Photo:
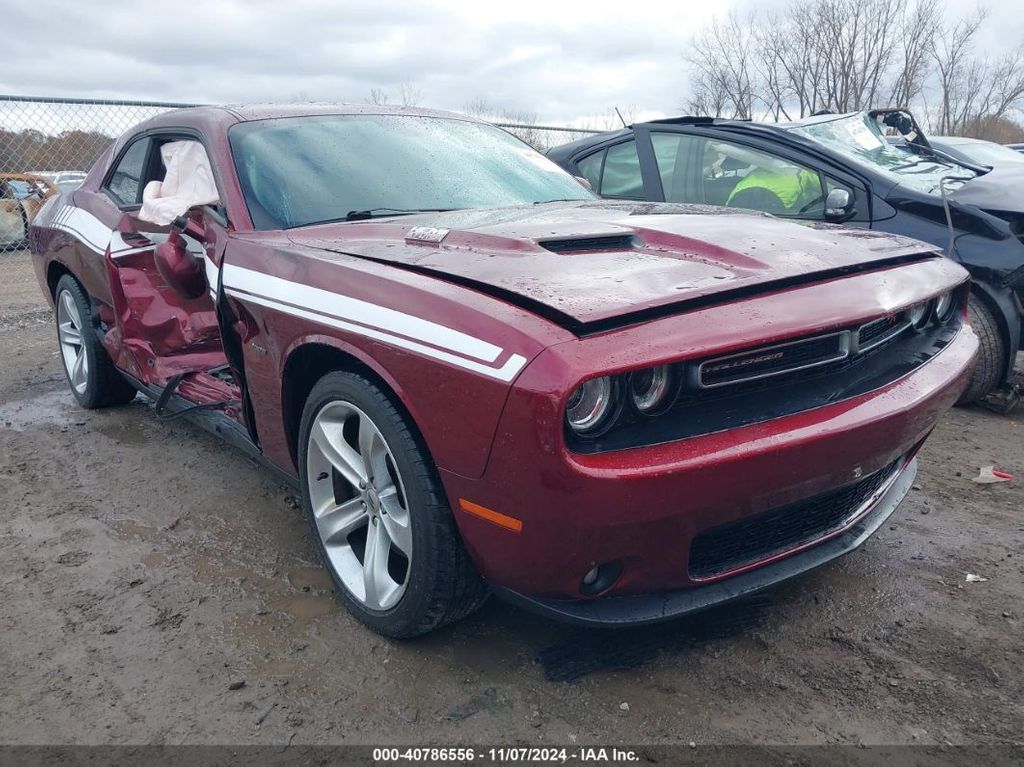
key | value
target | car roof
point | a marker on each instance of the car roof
(954, 140)
(249, 112)
(235, 113)
(568, 149)
(565, 151)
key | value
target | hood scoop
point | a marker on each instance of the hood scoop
(593, 244)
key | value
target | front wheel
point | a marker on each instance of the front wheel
(991, 351)
(90, 372)
(378, 512)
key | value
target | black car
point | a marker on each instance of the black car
(840, 169)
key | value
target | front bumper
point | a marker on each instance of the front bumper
(654, 608)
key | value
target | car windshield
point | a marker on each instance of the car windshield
(858, 137)
(300, 171)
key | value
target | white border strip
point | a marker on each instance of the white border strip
(84, 226)
(354, 310)
(506, 372)
(320, 306)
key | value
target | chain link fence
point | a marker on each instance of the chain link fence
(48, 144)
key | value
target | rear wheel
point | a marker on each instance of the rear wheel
(91, 374)
(378, 512)
(991, 351)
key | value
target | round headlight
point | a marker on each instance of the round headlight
(649, 388)
(590, 405)
(918, 314)
(943, 307)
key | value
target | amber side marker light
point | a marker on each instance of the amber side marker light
(501, 520)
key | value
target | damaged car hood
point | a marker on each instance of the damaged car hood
(1001, 189)
(590, 262)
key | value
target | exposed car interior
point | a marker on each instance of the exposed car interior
(163, 296)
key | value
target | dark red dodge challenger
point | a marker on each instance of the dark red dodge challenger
(485, 379)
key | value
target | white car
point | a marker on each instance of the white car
(69, 180)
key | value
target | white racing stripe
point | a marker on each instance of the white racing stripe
(343, 307)
(84, 226)
(321, 306)
(371, 321)
(92, 232)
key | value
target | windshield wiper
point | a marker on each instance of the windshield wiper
(362, 215)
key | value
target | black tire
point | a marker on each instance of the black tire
(104, 386)
(991, 352)
(442, 585)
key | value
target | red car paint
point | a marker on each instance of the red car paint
(483, 332)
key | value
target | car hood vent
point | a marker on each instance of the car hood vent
(589, 244)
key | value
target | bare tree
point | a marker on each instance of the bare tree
(990, 89)
(848, 55)
(525, 121)
(377, 96)
(854, 42)
(781, 60)
(915, 41)
(960, 74)
(408, 96)
(707, 99)
(721, 58)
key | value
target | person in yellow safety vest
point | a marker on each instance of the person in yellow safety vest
(787, 190)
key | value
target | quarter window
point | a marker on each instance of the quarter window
(590, 168)
(614, 172)
(125, 181)
(621, 177)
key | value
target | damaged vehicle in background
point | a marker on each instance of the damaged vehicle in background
(21, 197)
(840, 168)
(974, 151)
(482, 377)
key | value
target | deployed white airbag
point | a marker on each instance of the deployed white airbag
(187, 183)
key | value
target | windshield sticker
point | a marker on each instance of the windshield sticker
(863, 136)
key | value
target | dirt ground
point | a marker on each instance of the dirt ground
(159, 587)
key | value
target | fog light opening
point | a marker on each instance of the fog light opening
(600, 578)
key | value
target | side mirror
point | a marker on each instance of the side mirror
(585, 182)
(837, 204)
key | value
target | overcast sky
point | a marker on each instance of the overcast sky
(563, 61)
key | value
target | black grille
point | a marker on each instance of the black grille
(773, 360)
(880, 330)
(750, 540)
(607, 242)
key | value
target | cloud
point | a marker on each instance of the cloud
(562, 61)
(559, 61)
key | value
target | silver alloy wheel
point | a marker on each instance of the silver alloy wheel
(359, 504)
(72, 347)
